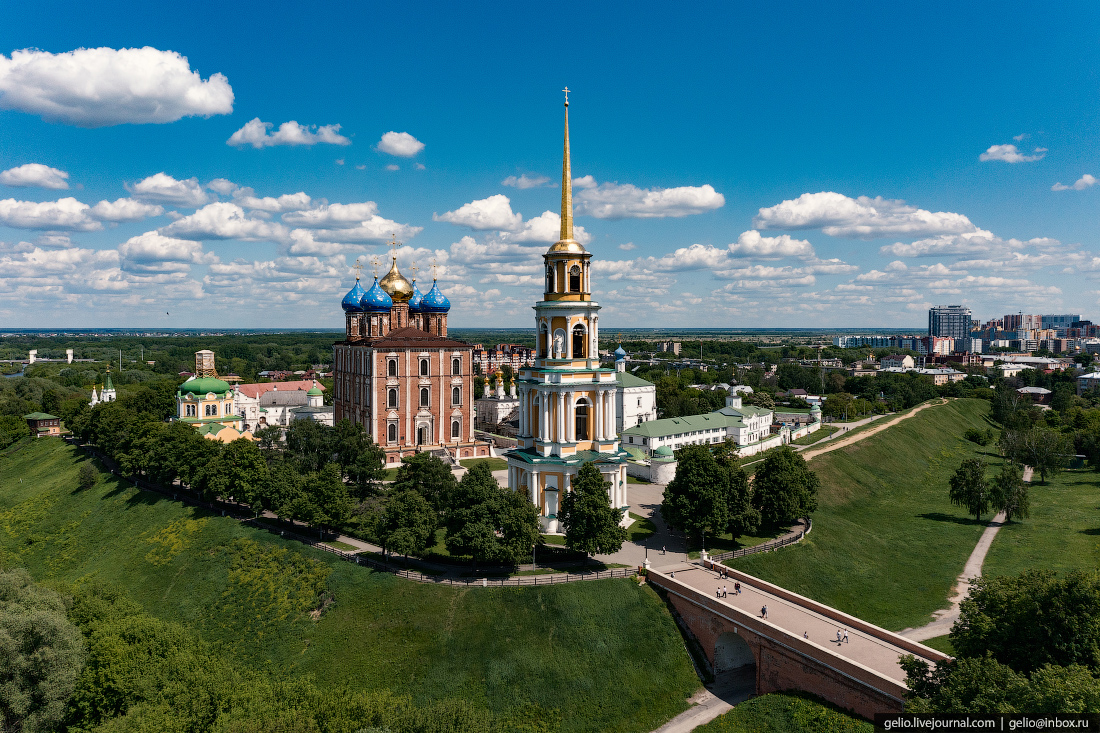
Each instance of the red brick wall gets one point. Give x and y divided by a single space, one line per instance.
782 665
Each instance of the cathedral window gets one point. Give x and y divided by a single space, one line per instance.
424 396
423 367
456 396
578 341
549 278
392 433
393 368
574 279
392 398
190 410
211 410
456 429
456 366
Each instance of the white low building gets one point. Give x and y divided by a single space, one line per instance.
275 403
749 427
635 398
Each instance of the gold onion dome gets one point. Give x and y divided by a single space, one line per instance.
397 285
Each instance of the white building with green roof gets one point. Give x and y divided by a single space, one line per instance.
749 427
635 398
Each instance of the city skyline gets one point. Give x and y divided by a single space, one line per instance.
740 167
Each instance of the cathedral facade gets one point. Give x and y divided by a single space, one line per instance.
566 400
399 375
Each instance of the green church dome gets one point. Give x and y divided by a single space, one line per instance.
314 392
204 385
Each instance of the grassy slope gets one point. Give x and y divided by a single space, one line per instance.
820 434
780 713
1062 533
605 654
887 544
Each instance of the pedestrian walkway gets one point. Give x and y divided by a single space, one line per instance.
945 618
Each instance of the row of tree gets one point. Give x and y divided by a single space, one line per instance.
712 493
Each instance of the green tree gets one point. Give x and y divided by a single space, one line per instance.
41 655
472 515
428 476
362 460
695 499
86 476
591 524
12 428
1035 618
969 488
784 488
744 517
518 523
328 496
408 524
1009 493
245 473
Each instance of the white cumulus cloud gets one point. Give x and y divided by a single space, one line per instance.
1080 184
401 144
223 220
98 87
36 175
165 189
64 214
1009 154
626 201
255 133
494 212
274 205
154 252
862 218
546 227
752 244
525 181
121 210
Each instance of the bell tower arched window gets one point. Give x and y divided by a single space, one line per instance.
393 368
549 277
578 341
581 420
456 366
574 279
423 367
544 340
423 396
392 398
391 433
456 396
456 429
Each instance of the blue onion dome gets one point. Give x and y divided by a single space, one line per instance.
375 300
350 303
435 301
416 299
620 353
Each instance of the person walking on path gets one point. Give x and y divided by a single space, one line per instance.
723 591
838 636
737 589
845 636
764 611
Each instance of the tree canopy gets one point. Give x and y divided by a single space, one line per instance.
591 524
969 487
785 488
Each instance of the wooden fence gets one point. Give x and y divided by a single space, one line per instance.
767 546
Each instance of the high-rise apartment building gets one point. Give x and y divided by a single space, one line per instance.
949 321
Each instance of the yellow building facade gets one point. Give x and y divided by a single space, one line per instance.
567 401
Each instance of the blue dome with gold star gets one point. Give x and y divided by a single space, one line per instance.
350 303
416 299
435 301
375 300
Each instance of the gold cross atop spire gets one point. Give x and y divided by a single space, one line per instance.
358 268
414 269
566 182
434 267
394 244
375 263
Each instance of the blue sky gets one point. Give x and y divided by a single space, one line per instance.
737 165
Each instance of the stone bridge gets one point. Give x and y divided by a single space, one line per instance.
795 647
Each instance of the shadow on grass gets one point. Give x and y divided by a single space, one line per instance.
941 517
1094 532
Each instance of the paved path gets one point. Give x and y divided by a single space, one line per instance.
712 701
945 618
833 444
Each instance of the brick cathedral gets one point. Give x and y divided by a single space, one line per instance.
400 376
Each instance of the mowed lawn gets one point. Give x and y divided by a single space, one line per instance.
1062 533
601 655
887 544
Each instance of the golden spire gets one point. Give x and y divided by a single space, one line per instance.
566 181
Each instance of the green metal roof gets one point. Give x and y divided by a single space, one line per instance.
530 455
626 379
688 423
40 416
204 385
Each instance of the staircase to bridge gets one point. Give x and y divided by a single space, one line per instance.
795 647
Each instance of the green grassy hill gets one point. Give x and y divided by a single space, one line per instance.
603 655
887 544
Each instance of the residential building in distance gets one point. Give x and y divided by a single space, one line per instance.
490 359
1060 322
673 346
897 361
1087 382
1021 321
949 321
